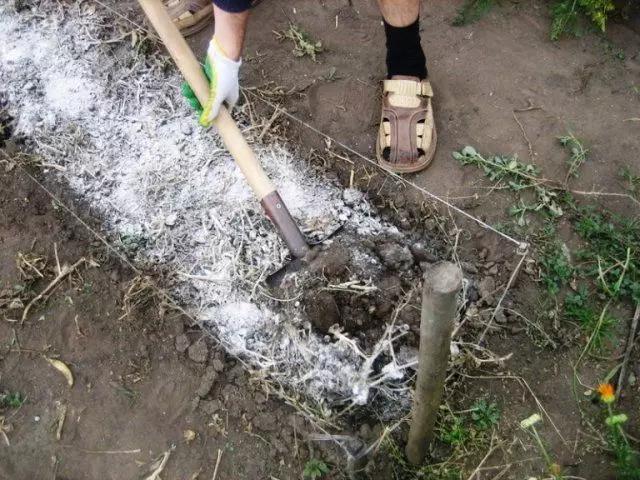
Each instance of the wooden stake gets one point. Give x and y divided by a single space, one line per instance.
442 284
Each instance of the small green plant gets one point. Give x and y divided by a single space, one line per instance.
484 415
627 461
455 433
614 51
403 470
303 45
579 308
555 262
517 176
462 429
11 400
570 16
611 256
577 151
632 181
315 468
472 11
529 425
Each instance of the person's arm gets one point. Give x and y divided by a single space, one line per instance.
231 18
224 55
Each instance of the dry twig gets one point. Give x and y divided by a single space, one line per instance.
215 470
64 272
627 355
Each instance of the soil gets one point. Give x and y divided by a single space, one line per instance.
134 395
142 380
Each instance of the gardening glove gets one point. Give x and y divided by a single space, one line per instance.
223 85
222 73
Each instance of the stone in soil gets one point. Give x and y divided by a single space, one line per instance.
421 254
331 262
198 352
218 366
500 317
486 288
207 381
395 256
182 343
210 406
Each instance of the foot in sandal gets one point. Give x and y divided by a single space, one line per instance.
191 16
407 137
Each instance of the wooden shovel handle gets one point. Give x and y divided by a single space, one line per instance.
193 74
231 136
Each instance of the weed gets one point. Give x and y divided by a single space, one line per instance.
484 415
529 425
614 51
579 308
632 181
11 400
87 287
455 433
627 461
465 428
403 470
303 45
610 257
568 16
577 151
516 176
472 11
555 262
315 468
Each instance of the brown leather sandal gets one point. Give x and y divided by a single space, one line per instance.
190 16
407 137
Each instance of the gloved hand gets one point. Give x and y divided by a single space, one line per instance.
222 73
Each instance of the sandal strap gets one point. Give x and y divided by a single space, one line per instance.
406 126
408 87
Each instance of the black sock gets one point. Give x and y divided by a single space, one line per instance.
404 52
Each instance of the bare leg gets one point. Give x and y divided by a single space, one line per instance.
399 13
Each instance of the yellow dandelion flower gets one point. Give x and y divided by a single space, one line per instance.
607 393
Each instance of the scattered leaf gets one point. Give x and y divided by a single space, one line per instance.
63 369
189 436
62 414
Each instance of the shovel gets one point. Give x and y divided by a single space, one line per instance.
244 157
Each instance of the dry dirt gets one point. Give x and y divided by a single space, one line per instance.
134 392
137 384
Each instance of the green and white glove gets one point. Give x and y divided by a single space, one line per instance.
223 84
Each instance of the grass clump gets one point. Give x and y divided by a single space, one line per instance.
577 151
631 181
579 308
611 255
462 430
403 470
315 468
555 261
569 17
11 400
473 10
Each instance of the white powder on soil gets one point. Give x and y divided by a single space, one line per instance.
130 146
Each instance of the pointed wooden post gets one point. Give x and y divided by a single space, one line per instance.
442 284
